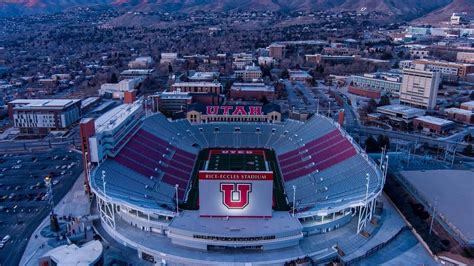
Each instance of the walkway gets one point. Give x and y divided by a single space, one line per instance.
75 204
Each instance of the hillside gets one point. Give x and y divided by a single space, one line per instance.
407 9
443 14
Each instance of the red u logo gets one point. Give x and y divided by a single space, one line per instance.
235 195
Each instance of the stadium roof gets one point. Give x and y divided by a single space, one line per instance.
454 191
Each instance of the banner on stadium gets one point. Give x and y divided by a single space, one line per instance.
235 193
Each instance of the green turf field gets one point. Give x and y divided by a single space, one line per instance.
264 160
236 162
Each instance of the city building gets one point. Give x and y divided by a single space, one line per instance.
339 50
39 117
400 113
276 51
171 101
198 87
167 58
433 124
265 60
468 106
251 91
376 84
136 73
89 254
465 57
460 115
250 73
198 113
196 76
141 62
300 75
117 90
419 87
459 70
322 59
88 103
458 18
419 53
240 60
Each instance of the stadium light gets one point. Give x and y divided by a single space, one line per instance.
367 188
329 110
103 183
294 199
177 208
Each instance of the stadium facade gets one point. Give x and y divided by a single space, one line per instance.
143 170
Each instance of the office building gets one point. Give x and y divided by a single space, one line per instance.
460 115
446 68
419 87
117 90
39 117
250 73
252 91
141 62
171 101
400 113
198 87
375 84
433 124
167 58
276 51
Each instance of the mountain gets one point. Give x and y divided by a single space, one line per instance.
443 14
10 8
402 8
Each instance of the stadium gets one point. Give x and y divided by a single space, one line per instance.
229 192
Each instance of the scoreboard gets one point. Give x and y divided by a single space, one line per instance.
235 193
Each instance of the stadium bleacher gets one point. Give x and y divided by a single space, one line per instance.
314 156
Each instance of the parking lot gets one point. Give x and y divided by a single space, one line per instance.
23 199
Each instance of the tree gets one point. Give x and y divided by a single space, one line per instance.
371 106
384 100
371 145
113 78
383 141
468 150
264 100
386 56
468 138
266 71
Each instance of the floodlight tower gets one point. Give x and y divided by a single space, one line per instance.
49 193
